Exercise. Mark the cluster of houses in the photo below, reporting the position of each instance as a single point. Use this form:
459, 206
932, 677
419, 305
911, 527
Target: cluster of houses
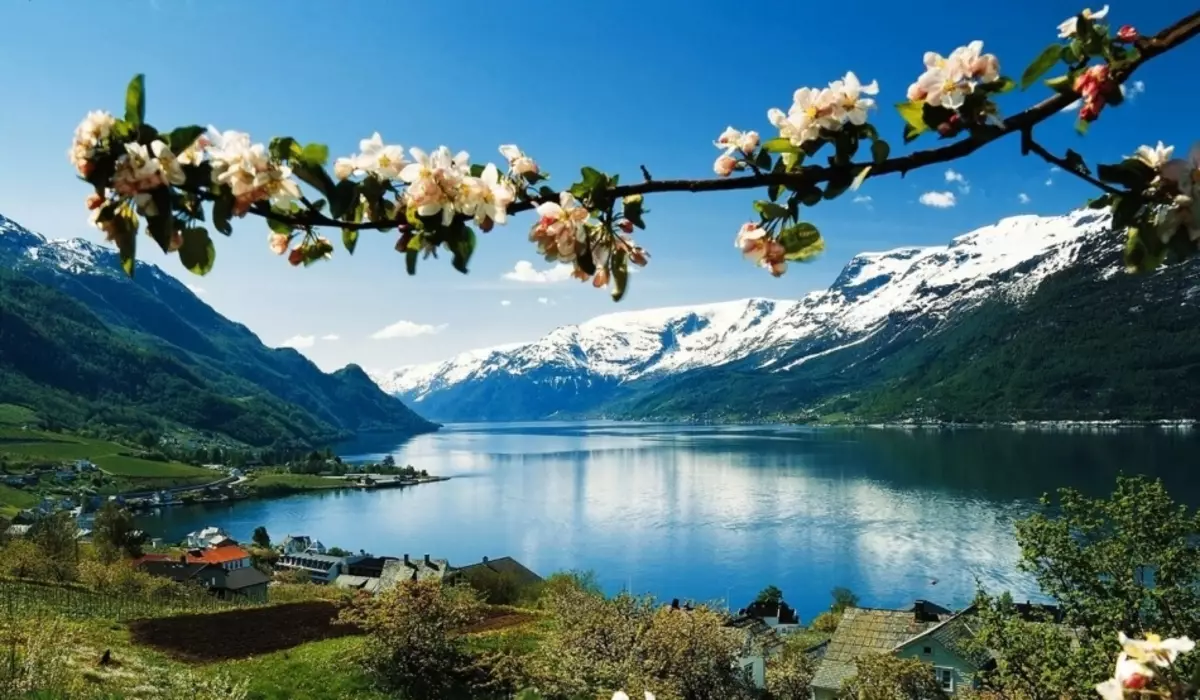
65, 474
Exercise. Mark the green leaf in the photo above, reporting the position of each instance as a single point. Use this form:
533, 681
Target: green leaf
1075, 162
880, 150
1063, 84
773, 191
811, 196
222, 212
180, 139
462, 248
1125, 211
838, 183
1001, 86
632, 207
198, 252
1140, 256
162, 225
586, 262
135, 100
124, 235
342, 199
1046, 60
620, 273
410, 261
780, 145
801, 242
770, 210
315, 155
314, 174
913, 114
282, 147
1081, 126
1130, 173
763, 160
278, 226
350, 239
477, 169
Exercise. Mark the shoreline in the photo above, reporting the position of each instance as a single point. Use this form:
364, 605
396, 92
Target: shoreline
284, 490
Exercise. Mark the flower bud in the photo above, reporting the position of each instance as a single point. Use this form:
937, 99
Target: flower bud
1091, 109
296, 256
1127, 34
278, 243
94, 201
601, 278
626, 226
724, 165
176, 242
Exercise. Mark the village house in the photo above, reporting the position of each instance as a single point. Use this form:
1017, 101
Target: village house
780, 616
299, 544
323, 568
65, 475
409, 569
204, 537
504, 566
229, 557
83, 465
926, 631
247, 583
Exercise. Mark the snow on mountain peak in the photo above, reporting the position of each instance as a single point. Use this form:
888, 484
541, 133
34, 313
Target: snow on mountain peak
1010, 257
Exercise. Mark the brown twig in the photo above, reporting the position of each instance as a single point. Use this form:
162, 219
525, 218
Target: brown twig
1023, 122
1028, 145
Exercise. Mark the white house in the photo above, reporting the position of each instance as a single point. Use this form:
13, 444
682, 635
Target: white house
779, 616
83, 465
202, 539
761, 643
297, 544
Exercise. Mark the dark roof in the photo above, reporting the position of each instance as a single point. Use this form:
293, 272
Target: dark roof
816, 653
244, 578
503, 565
955, 634
787, 615
373, 566
866, 631
176, 571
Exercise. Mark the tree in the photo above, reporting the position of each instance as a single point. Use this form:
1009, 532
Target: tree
416, 644
1125, 563
388, 461
338, 552
435, 204
888, 677
789, 675
55, 538
21, 558
261, 538
770, 594
114, 534
842, 598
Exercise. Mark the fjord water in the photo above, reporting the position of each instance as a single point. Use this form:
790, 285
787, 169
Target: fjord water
706, 513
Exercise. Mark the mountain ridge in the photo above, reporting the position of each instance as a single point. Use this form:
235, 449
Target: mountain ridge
872, 330
156, 314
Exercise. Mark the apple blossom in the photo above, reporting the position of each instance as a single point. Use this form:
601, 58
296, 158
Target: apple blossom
518, 162
296, 256
947, 81
433, 181
486, 197
1070, 26
724, 165
278, 242
561, 226
732, 140
374, 158
1127, 34
810, 110
1154, 156
1153, 650
626, 226
848, 103
752, 240
91, 133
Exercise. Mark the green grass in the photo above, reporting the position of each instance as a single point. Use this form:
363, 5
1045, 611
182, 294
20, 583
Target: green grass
322, 670
112, 458
282, 484
16, 415
13, 500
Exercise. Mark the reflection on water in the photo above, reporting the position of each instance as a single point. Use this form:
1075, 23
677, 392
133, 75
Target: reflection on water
707, 512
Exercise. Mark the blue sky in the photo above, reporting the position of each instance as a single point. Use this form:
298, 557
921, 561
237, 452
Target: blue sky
612, 85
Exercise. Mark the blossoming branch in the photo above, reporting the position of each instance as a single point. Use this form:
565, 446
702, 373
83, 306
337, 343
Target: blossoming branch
179, 180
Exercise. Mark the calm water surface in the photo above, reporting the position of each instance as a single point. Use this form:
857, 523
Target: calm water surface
708, 512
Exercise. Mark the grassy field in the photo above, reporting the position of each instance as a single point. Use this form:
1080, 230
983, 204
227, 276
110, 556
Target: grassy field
264, 485
110, 457
13, 500
16, 415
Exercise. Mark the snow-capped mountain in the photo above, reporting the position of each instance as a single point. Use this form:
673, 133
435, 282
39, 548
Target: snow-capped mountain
877, 299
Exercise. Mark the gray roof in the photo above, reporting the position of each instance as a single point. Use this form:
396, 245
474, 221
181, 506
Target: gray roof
956, 635
412, 570
316, 561
504, 565
370, 584
865, 631
244, 578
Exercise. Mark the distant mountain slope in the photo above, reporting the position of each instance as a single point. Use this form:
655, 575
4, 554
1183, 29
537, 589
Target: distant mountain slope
157, 325
1027, 318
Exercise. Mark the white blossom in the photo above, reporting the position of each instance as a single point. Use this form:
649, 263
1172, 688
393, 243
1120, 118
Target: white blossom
518, 162
848, 103
732, 140
89, 135
433, 181
249, 171
560, 227
1153, 650
1070, 26
486, 197
947, 81
374, 158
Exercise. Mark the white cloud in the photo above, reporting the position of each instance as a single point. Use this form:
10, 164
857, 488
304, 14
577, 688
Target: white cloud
938, 200
331, 336
955, 176
299, 342
1136, 88
1023, 198
1055, 169
546, 302
862, 199
196, 289
524, 272
1049, 181
407, 329
505, 302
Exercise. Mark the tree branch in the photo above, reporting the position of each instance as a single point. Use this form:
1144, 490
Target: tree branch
1148, 47
1028, 145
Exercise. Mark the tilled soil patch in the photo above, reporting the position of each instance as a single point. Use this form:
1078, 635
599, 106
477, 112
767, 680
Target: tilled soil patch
237, 634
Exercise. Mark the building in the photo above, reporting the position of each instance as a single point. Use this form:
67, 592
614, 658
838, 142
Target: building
298, 544
408, 569
926, 631
759, 643
17, 530
780, 616
65, 475
83, 465
248, 583
504, 566
203, 538
323, 568
229, 557
369, 567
